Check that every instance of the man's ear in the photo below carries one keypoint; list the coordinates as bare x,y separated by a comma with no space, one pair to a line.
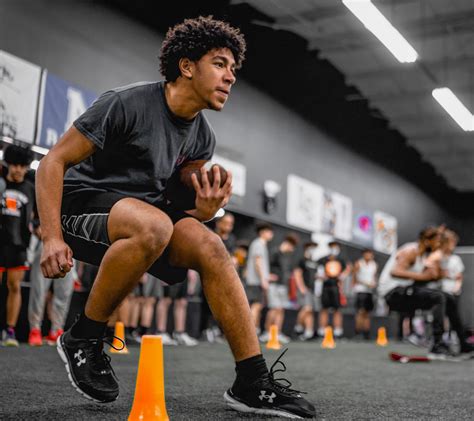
186,68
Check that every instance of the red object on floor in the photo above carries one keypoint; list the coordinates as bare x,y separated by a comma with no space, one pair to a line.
34,338
53,336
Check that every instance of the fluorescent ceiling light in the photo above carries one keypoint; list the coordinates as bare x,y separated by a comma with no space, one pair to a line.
455,108
376,23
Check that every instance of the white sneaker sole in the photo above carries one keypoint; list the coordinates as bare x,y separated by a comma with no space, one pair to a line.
241,407
63,356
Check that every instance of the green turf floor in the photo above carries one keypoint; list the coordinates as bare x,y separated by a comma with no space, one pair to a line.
355,381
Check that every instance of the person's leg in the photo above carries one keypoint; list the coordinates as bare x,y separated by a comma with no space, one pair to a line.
138,233
323,321
39,286
359,321
279,318
162,314
14,278
63,289
337,322
134,315
180,313
256,310
180,310
147,312
452,313
196,247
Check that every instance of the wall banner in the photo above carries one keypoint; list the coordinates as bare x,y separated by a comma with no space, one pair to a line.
62,103
304,203
19,91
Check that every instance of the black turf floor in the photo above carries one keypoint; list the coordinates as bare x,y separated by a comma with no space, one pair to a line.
355,381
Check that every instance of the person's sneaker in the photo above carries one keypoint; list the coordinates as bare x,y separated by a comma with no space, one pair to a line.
35,338
133,338
307,335
439,351
269,396
53,336
9,338
299,329
283,339
167,340
264,337
208,335
88,367
184,339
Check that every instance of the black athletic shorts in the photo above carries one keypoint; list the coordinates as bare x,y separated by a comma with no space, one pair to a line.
176,291
12,258
254,293
84,218
364,301
330,297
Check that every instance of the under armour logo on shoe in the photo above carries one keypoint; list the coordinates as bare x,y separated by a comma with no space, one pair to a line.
79,358
263,395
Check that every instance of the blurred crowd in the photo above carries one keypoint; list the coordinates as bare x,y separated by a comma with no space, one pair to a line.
422,282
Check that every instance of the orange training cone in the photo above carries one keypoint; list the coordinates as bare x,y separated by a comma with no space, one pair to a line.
273,342
382,337
120,333
149,401
328,341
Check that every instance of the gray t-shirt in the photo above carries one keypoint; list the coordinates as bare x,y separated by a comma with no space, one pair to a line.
258,247
140,143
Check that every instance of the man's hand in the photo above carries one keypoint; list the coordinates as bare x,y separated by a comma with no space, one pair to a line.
210,198
56,259
273,277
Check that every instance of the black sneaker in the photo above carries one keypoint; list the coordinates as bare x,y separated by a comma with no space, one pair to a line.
467,349
439,351
269,396
88,367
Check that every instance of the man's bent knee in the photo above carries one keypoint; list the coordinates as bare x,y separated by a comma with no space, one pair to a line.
213,249
150,227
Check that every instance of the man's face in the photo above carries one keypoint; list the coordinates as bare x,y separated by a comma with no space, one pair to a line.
267,234
368,256
213,77
225,224
17,172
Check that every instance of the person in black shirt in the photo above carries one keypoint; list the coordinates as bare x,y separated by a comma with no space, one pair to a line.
305,275
335,270
281,270
114,165
17,204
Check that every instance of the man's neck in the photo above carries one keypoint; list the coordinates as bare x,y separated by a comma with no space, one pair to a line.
181,100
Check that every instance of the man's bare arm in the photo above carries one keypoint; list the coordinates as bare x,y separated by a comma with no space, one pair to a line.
405,259
259,270
72,148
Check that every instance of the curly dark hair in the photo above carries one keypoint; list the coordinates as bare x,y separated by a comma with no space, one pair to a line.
194,38
17,155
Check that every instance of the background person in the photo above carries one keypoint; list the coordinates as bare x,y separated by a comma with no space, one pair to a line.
17,204
364,281
305,275
258,271
39,287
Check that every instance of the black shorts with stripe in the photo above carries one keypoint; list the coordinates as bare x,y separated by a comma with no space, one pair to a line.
12,258
84,218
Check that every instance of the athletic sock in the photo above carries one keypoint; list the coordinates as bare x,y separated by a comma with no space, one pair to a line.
85,328
251,368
